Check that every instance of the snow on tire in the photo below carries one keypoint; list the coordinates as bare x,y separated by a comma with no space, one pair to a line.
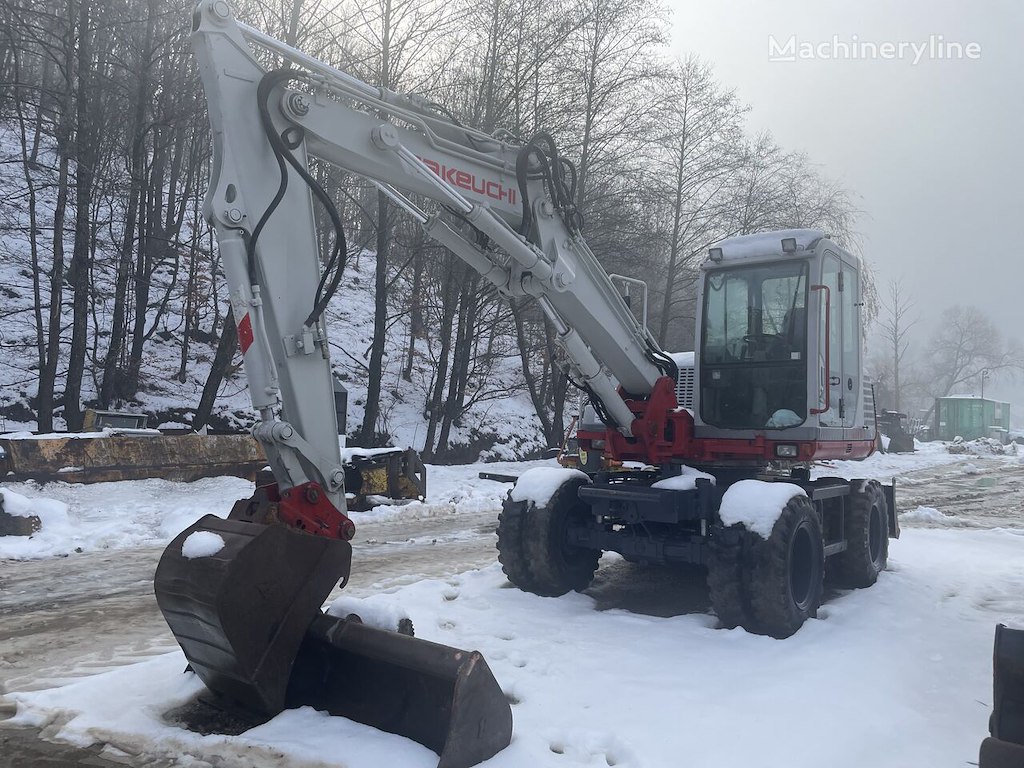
532,546
784,574
866,530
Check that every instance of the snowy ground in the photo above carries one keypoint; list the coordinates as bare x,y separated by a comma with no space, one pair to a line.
632,672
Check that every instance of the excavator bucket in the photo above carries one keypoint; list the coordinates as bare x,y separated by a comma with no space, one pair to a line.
1008,685
243,600
444,698
393,473
240,612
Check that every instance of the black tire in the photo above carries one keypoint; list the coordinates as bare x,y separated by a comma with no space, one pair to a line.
784,575
511,544
725,575
532,546
866,530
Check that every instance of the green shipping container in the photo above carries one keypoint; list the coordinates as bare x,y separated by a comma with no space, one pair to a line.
971,417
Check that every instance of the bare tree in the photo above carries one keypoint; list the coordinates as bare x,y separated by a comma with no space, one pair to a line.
125,294
965,343
395,33
701,150
89,108
896,324
63,133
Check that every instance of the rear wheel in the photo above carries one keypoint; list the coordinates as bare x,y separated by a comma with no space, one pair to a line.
784,576
533,546
866,529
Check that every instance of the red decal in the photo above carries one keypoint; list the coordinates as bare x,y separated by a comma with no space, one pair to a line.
471,182
245,337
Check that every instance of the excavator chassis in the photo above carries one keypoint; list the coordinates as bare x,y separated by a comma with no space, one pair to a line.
248,617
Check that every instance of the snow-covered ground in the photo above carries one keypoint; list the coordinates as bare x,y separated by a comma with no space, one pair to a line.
137,513
141,513
883,466
896,675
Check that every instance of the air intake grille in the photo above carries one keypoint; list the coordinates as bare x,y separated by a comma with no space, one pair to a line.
684,388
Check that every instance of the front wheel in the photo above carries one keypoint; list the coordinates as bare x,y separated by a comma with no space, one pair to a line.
725,575
533,546
784,577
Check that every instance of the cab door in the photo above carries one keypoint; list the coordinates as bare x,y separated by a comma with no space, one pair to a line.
830,348
839,356
849,291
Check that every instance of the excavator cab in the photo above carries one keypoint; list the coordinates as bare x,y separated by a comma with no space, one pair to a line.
779,346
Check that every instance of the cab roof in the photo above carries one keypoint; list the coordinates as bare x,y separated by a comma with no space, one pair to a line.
768,243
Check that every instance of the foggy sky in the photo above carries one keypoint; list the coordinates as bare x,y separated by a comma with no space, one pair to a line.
933,151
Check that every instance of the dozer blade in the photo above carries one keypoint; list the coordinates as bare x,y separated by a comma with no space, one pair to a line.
130,456
240,614
442,697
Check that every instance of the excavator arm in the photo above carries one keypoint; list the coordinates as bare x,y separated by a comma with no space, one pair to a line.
509,195
243,596
246,611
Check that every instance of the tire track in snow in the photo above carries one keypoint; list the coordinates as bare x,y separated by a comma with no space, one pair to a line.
982,493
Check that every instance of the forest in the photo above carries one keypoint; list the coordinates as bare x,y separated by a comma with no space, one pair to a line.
107,262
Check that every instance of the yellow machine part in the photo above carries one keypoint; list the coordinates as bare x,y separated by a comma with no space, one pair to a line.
131,457
395,474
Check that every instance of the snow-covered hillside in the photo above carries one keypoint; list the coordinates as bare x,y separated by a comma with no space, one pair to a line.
502,425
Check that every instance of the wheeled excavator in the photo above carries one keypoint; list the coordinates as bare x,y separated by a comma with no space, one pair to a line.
775,384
